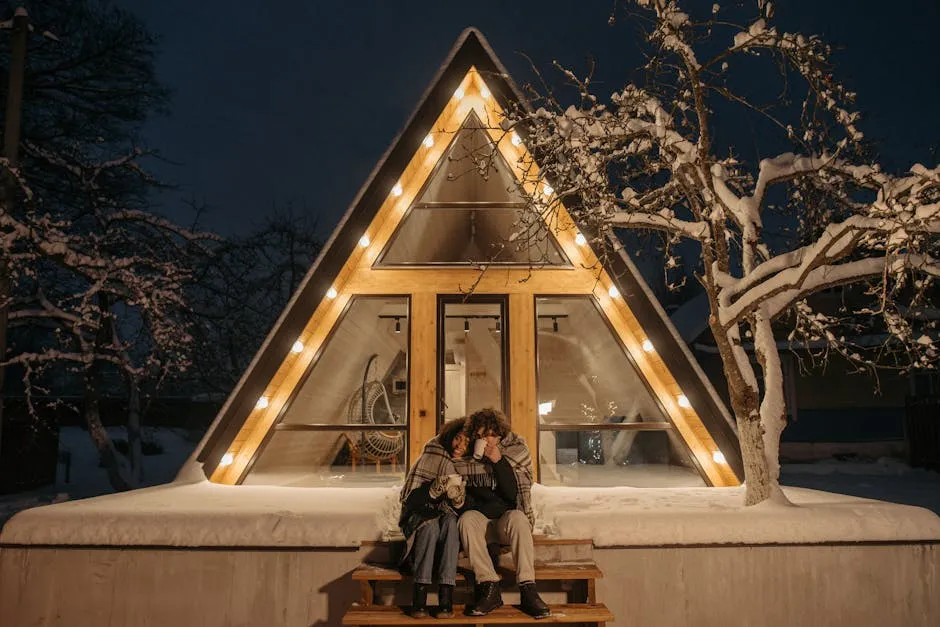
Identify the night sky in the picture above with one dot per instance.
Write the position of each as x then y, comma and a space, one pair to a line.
294, 101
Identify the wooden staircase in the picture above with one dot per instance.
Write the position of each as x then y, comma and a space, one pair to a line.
564, 569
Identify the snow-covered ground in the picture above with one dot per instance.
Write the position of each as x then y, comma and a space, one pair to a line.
86, 479
884, 479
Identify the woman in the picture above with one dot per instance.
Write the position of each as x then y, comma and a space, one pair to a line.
432, 493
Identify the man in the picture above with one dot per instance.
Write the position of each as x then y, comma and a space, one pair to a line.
498, 509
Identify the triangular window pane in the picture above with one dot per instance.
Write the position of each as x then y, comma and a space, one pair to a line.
599, 422
472, 210
347, 423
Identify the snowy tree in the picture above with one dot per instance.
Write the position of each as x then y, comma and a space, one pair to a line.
99, 295
97, 279
653, 156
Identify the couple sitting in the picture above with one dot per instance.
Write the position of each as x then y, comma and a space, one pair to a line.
484, 498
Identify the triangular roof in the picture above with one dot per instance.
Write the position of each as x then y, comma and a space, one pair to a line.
315, 306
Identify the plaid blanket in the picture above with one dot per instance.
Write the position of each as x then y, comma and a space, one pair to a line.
480, 474
434, 462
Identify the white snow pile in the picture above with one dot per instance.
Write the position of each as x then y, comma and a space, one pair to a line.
206, 514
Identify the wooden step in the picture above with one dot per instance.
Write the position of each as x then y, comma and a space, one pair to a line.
543, 572
506, 615
555, 550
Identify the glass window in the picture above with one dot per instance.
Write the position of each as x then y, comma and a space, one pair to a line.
348, 420
472, 362
472, 210
599, 423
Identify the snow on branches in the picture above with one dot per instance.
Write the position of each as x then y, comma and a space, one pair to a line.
646, 158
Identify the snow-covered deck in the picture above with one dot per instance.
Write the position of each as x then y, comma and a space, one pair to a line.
203, 514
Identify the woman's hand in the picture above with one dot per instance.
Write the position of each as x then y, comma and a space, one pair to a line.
492, 451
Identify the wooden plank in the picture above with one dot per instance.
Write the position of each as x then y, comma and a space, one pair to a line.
523, 406
423, 360
494, 280
543, 572
506, 615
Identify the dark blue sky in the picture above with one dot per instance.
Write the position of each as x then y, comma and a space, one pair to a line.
295, 100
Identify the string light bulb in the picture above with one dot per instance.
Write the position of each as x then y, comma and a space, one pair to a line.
484, 92
613, 292
648, 346
516, 140
262, 403
298, 347
580, 240
459, 93
227, 460
364, 241
719, 458
683, 401
428, 141
331, 293
547, 189
397, 190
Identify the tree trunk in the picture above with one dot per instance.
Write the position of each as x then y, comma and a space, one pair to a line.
133, 430
114, 463
773, 411
742, 389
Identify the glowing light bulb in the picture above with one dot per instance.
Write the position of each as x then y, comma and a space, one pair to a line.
397, 190
580, 240
547, 189
262, 403
516, 140
546, 408
719, 458
227, 460
613, 292
484, 93
428, 141
459, 93
331, 293
648, 346
298, 347
364, 241
683, 401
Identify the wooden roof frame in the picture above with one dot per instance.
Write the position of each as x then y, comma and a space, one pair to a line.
241, 425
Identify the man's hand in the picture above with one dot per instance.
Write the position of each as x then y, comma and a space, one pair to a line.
492, 452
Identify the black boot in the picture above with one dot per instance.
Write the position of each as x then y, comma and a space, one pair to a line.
486, 599
445, 601
531, 603
419, 603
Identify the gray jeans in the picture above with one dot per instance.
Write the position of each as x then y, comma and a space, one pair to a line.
436, 545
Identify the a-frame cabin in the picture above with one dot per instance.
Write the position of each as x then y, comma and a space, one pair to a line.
426, 304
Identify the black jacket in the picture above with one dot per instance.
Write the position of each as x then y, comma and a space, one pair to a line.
496, 501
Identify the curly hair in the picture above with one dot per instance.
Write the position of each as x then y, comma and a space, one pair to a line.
450, 431
488, 419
